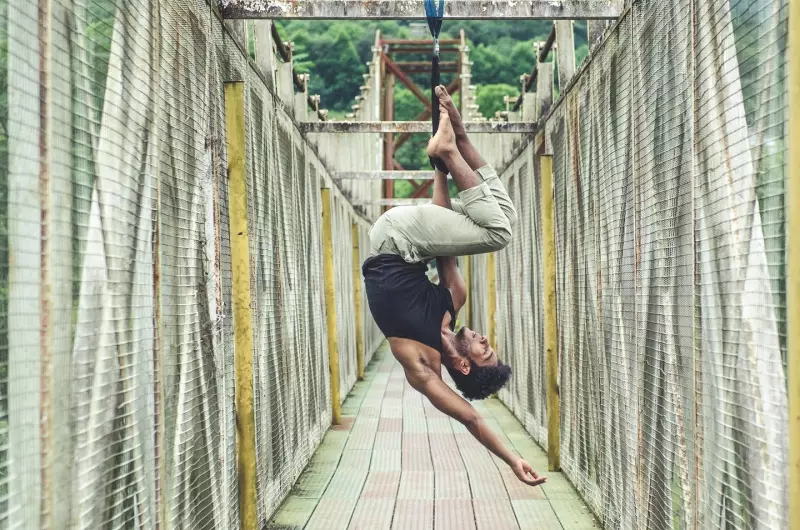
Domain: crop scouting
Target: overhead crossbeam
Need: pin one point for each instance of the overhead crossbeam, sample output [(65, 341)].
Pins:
[(385, 127), (384, 175), (415, 9), (392, 202)]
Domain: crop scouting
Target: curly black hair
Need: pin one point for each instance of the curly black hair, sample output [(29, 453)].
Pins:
[(482, 381)]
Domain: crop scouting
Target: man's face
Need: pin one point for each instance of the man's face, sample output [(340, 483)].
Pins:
[(477, 347)]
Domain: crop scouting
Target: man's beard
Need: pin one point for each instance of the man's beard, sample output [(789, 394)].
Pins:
[(460, 340)]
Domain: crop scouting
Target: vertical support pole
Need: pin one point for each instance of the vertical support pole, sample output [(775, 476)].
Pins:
[(490, 272), (530, 103), (793, 267), (565, 52), (544, 88), (330, 305), (238, 30), (596, 30), (286, 86), (242, 315), (388, 139), (357, 296), (550, 321), (468, 281), (265, 59), (301, 100)]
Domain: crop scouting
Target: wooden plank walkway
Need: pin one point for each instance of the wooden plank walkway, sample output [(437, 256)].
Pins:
[(398, 463)]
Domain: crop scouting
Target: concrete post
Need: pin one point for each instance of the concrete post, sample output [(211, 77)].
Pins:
[(565, 52), (265, 56)]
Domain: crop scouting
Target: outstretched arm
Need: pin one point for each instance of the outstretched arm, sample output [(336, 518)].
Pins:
[(443, 398), (448, 269)]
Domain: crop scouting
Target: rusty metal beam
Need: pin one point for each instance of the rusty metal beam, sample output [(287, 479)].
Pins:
[(424, 64), (388, 139), (452, 88), (403, 78), (415, 9), (419, 42), (422, 190), (424, 51), (417, 70), (384, 127), (403, 138)]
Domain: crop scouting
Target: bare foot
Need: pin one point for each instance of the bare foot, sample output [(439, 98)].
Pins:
[(446, 103), (444, 141)]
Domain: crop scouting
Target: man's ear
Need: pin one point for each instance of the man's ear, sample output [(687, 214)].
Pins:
[(464, 366)]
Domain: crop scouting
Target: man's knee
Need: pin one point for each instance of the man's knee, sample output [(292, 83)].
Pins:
[(500, 237)]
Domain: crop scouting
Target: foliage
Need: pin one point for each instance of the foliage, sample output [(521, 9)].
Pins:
[(490, 97), (335, 52)]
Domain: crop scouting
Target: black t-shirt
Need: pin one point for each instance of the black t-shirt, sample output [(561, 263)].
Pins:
[(404, 303)]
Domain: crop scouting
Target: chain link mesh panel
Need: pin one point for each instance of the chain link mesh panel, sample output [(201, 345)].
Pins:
[(669, 170), (740, 305), (117, 354), (519, 288)]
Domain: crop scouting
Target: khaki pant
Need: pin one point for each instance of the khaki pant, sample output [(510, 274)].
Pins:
[(480, 221)]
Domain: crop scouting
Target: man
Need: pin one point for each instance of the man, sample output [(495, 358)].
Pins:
[(416, 316)]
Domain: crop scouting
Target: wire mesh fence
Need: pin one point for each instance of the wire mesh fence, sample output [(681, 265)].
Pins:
[(669, 169), (117, 349)]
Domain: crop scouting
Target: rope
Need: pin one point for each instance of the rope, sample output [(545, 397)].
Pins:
[(435, 16)]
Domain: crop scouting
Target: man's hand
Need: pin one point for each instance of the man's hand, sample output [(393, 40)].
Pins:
[(526, 474)]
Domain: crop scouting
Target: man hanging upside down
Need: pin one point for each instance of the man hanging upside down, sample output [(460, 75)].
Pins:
[(418, 317)]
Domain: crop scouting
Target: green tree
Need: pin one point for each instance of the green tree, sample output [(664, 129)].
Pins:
[(491, 97)]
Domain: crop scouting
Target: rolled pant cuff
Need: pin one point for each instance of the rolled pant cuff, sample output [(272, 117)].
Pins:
[(487, 172), (481, 190)]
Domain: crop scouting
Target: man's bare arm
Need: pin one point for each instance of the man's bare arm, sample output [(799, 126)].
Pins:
[(443, 398), (447, 267)]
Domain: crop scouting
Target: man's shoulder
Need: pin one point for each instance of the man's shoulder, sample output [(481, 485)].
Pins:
[(414, 356)]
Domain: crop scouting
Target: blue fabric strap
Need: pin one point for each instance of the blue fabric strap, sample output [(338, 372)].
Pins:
[(434, 16)]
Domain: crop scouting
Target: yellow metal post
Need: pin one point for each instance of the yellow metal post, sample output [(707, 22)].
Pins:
[(468, 282), (492, 299), (242, 315), (550, 321), (357, 297), (793, 265), (330, 304)]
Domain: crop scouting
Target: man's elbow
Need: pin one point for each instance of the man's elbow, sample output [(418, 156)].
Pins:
[(459, 292)]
